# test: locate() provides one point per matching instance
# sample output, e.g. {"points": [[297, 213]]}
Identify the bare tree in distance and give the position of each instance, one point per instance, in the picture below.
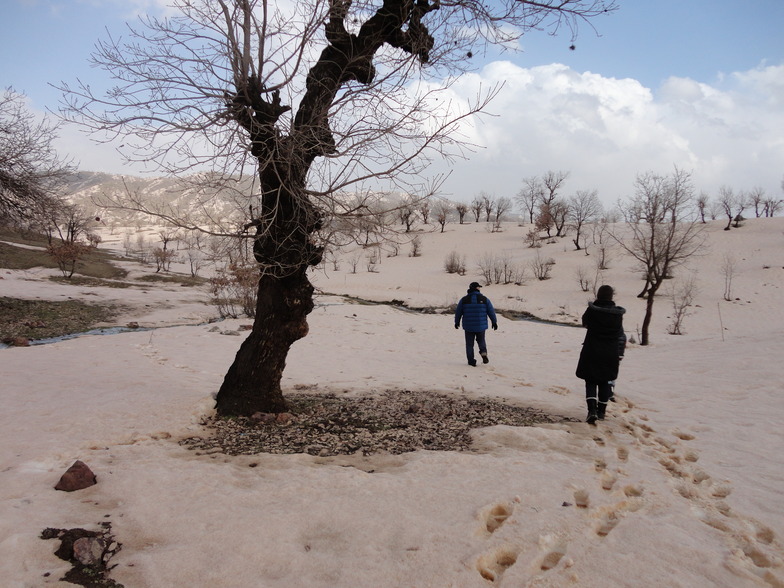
{"points": [[584, 207], [772, 206], [732, 204], [663, 231], [31, 172], [602, 239], [316, 97], [488, 205], [756, 198], [407, 212], [476, 208], [552, 182], [530, 196], [502, 206], [682, 294], [702, 205], [559, 210], [443, 209], [462, 210], [424, 210], [729, 267]]}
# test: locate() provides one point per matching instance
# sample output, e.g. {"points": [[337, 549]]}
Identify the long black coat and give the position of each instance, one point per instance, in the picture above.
{"points": [[599, 355]]}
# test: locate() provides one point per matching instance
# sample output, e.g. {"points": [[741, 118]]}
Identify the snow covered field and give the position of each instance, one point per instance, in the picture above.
{"points": [[682, 483]]}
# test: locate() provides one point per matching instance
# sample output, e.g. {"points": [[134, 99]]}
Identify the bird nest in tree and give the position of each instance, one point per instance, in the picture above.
{"points": [[394, 422]]}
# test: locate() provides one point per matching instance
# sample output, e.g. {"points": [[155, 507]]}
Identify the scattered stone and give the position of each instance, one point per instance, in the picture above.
{"points": [[246, 327], [77, 477], [133, 325], [393, 421]]}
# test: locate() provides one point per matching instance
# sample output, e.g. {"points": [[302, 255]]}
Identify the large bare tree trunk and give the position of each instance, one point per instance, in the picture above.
{"points": [[285, 250], [252, 383]]}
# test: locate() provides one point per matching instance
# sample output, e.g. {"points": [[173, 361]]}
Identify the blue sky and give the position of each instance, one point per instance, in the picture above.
{"points": [[704, 79]]}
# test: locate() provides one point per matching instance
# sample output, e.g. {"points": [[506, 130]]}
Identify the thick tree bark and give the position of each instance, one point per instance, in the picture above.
{"points": [[252, 383]]}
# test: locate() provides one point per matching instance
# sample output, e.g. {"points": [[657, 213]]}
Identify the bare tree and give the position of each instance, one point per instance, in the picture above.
{"points": [[530, 196], [581, 274], [584, 207], [540, 267], [544, 219], [731, 203], [317, 97], [455, 263], [729, 267], [488, 204], [31, 172], [442, 209], [756, 198], [552, 182], [502, 206], [476, 207], [424, 210], [682, 296], [407, 212], [559, 210], [772, 206], [702, 205], [602, 239], [462, 209], [663, 235]]}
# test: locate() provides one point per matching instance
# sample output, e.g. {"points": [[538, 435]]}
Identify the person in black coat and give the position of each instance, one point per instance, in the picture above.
{"points": [[599, 357]]}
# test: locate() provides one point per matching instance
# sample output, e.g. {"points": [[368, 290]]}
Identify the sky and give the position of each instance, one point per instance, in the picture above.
{"points": [[698, 85]]}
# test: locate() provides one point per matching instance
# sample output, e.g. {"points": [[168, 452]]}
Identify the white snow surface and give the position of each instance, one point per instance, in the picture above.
{"points": [[683, 480]]}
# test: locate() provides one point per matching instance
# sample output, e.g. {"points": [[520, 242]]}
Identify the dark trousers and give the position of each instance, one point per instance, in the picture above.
{"points": [[597, 394], [470, 337]]}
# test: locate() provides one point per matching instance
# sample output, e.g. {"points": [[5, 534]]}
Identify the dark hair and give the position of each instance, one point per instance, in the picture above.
{"points": [[605, 293]]}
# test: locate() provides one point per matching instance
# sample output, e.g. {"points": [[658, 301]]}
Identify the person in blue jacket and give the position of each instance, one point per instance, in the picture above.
{"points": [[473, 309]]}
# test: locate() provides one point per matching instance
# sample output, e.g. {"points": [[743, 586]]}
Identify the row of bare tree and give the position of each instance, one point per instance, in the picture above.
{"points": [[315, 100]]}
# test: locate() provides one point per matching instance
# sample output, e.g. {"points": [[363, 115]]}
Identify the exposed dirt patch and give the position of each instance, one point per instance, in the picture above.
{"points": [[41, 319], [394, 422], [88, 552]]}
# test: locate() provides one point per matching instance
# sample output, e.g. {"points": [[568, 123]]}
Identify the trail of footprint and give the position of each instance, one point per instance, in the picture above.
{"points": [[754, 550]]}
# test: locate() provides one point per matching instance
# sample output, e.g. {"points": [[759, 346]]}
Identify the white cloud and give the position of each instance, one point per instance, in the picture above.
{"points": [[604, 130]]}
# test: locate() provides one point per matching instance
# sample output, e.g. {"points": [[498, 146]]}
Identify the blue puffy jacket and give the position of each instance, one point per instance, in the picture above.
{"points": [[473, 309]]}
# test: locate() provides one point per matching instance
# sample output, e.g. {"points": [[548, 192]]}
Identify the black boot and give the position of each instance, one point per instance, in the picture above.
{"points": [[592, 411], [601, 409]]}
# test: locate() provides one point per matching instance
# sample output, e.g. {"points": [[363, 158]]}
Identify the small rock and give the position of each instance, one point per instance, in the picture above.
{"points": [[17, 341], [246, 327], [133, 325], [283, 418], [89, 550], [77, 477]]}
